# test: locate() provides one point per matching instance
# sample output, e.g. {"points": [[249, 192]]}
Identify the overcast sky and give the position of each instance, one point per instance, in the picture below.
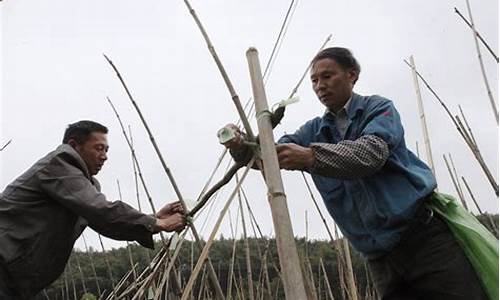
{"points": [[53, 74]]}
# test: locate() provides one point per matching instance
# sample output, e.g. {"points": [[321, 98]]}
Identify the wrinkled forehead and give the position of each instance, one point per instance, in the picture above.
{"points": [[322, 65]]}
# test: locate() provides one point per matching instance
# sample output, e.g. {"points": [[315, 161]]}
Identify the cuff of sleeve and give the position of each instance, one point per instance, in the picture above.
{"points": [[147, 240]]}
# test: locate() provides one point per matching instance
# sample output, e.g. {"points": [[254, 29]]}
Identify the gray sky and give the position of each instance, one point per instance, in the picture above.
{"points": [[53, 73]]}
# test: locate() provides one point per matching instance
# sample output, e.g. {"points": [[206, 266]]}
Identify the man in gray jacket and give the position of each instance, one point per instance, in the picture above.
{"points": [[45, 210]]}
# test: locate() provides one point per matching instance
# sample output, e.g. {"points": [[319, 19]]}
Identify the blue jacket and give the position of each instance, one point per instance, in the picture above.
{"points": [[371, 212]]}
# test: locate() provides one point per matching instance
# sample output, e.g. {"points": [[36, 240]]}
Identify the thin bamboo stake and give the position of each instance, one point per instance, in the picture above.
{"points": [[458, 181], [416, 146], [327, 281], [92, 266], [204, 253], [5, 145], [423, 122], [289, 259], [66, 283], [492, 223], [481, 64], [233, 255], [70, 272], [227, 81], [469, 130], [81, 272], [212, 275], [463, 133], [247, 247], [455, 184], [478, 35], [108, 266]]}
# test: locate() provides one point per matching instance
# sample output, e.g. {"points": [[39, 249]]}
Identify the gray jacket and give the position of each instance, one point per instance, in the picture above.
{"points": [[45, 210]]}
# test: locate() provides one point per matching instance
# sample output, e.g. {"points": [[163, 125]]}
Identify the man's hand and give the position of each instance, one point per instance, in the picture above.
{"points": [[294, 157], [237, 141], [170, 209], [174, 222], [171, 217]]}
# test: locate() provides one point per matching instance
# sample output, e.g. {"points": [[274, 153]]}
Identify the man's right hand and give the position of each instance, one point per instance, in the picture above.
{"points": [[173, 222], [237, 141]]}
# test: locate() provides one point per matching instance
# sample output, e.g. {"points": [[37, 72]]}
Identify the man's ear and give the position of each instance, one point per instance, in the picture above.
{"points": [[353, 75], [73, 143]]}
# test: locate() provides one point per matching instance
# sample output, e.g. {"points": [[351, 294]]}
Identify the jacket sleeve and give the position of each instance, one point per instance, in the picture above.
{"points": [[66, 184]]}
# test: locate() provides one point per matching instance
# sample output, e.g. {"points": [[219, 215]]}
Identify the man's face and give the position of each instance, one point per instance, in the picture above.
{"points": [[331, 83], [93, 151]]}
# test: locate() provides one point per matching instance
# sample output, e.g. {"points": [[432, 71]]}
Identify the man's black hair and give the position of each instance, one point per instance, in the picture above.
{"points": [[81, 130], [342, 56]]}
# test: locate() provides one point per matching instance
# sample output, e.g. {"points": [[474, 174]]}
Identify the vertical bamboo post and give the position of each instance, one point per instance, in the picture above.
{"points": [[353, 291], [458, 181], [423, 122], [289, 258], [481, 64]]}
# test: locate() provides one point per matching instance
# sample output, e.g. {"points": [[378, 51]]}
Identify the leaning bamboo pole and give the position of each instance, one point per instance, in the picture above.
{"points": [[464, 134], [490, 219], [457, 180], [204, 253], [481, 64], [5, 145], [327, 281], [353, 291], [478, 35], [423, 121], [247, 247], [229, 288], [129, 251], [289, 259], [455, 183], [72, 279], [212, 275]]}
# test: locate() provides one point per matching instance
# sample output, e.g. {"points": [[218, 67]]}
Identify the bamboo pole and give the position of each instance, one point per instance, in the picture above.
{"points": [[247, 247], [327, 281], [108, 266], [464, 134], [5, 145], [229, 288], [481, 64], [71, 278], [289, 259], [492, 223], [478, 35], [455, 184], [458, 181], [351, 283], [423, 122], [212, 275], [92, 265], [204, 253], [227, 81], [81, 272]]}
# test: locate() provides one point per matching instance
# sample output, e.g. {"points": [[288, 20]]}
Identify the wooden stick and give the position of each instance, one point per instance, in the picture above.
{"points": [[351, 283], [478, 35], [481, 64], [423, 122], [108, 266], [289, 259], [233, 256]]}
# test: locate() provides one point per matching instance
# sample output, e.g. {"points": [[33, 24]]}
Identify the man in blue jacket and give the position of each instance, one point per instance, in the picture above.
{"points": [[374, 187]]}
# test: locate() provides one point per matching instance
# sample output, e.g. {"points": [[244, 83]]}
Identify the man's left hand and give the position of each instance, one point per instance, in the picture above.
{"points": [[294, 157]]}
